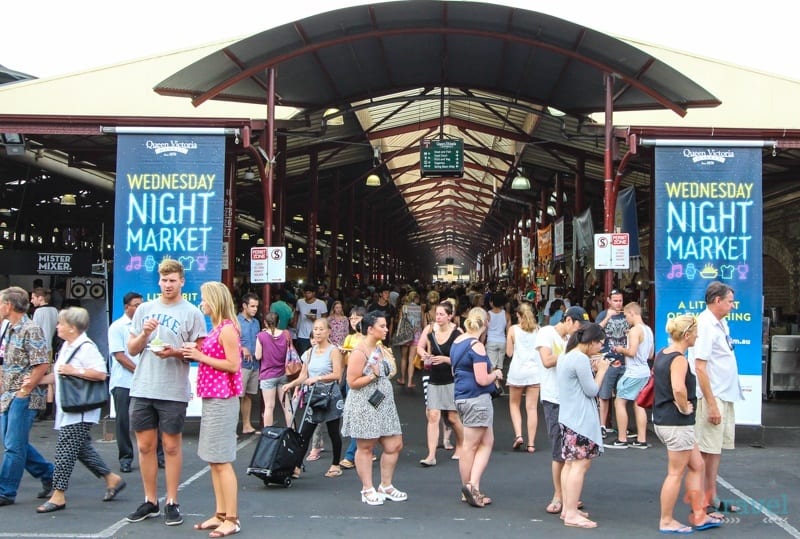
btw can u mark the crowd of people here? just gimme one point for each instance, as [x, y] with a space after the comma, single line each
[465, 346]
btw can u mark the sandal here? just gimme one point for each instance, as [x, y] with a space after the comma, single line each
[472, 496]
[314, 455]
[583, 523]
[554, 507]
[371, 497]
[391, 493]
[333, 471]
[237, 527]
[518, 441]
[531, 449]
[212, 523]
[486, 499]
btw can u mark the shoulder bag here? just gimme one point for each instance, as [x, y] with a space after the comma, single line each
[647, 396]
[293, 364]
[405, 331]
[78, 394]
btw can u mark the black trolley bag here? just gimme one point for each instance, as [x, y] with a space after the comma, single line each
[278, 452]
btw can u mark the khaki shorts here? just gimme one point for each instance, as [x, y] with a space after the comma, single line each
[676, 437]
[713, 439]
[476, 412]
[250, 382]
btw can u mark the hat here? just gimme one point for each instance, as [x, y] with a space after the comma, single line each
[576, 313]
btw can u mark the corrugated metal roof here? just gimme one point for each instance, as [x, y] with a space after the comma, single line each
[406, 71]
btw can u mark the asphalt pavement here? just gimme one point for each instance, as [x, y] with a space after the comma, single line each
[621, 492]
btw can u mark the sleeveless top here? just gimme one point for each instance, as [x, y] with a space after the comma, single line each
[636, 366]
[273, 354]
[665, 413]
[213, 383]
[496, 332]
[441, 374]
[319, 364]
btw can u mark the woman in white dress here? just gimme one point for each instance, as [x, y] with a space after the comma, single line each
[524, 376]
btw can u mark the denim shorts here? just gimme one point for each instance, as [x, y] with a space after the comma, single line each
[273, 383]
[609, 383]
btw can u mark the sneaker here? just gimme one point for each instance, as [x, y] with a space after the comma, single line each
[617, 444]
[638, 445]
[172, 514]
[146, 510]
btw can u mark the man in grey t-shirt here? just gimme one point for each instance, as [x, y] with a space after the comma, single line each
[160, 388]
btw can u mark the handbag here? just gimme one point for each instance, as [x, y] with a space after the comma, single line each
[404, 333]
[376, 398]
[322, 394]
[293, 364]
[647, 396]
[498, 390]
[77, 395]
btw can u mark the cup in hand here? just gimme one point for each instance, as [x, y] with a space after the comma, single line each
[427, 361]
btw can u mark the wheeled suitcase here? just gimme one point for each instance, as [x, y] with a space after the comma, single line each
[278, 452]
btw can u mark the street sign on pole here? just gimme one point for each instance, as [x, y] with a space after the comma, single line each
[267, 265]
[612, 251]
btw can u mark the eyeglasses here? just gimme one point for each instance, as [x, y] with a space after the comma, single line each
[730, 342]
[614, 292]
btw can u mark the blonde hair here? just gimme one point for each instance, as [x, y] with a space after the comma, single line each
[411, 296]
[219, 301]
[680, 326]
[433, 297]
[170, 265]
[527, 321]
[633, 308]
[476, 319]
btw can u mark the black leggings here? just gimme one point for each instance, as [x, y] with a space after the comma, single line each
[334, 431]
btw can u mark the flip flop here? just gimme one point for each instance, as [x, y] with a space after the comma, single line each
[518, 441]
[683, 530]
[554, 507]
[112, 492]
[333, 472]
[49, 507]
[312, 456]
[585, 524]
[708, 524]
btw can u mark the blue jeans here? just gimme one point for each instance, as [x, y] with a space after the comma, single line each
[350, 454]
[20, 455]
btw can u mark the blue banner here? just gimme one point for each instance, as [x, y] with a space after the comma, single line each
[169, 204]
[708, 226]
[626, 219]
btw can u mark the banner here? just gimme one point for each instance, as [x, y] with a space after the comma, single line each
[544, 251]
[626, 220]
[169, 204]
[558, 239]
[708, 220]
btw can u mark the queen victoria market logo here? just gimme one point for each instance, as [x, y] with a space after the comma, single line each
[171, 148]
[709, 156]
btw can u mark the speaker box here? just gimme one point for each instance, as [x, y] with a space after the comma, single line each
[86, 288]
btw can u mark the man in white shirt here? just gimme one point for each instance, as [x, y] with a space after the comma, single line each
[718, 380]
[123, 363]
[308, 309]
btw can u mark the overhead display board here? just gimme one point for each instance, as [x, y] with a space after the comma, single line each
[441, 157]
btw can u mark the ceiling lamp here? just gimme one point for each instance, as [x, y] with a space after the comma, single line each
[249, 175]
[556, 112]
[68, 200]
[245, 236]
[333, 116]
[298, 218]
[260, 241]
[520, 182]
[300, 250]
[373, 180]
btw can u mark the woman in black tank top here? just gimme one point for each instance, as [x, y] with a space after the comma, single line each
[434, 347]
[674, 418]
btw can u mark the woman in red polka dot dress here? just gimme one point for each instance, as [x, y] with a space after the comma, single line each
[219, 384]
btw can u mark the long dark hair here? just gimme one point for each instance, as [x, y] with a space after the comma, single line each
[589, 332]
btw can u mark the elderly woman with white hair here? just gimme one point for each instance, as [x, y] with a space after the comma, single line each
[79, 357]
